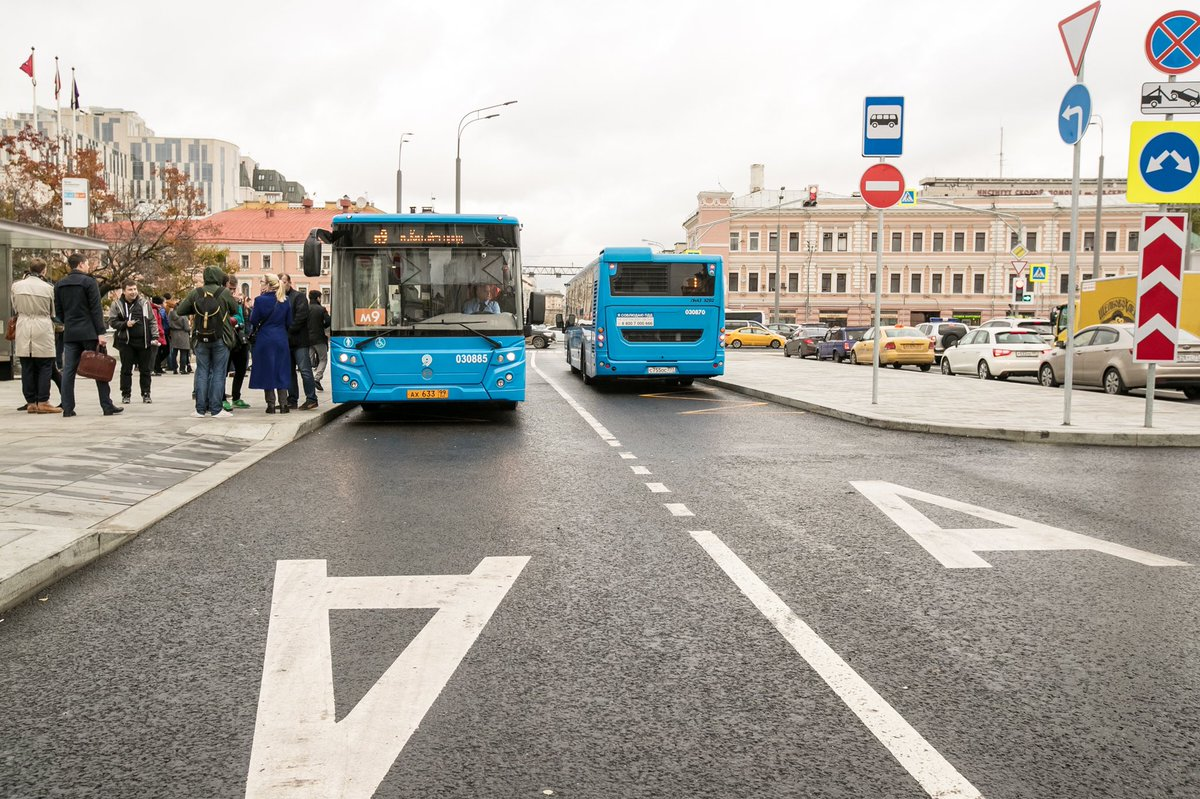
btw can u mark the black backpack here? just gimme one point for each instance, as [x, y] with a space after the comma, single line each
[210, 316]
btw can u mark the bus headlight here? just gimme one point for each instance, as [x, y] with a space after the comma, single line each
[500, 383]
[345, 378]
[353, 384]
[343, 358]
[508, 377]
[512, 356]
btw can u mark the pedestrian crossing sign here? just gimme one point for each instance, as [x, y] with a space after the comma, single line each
[1039, 273]
[909, 198]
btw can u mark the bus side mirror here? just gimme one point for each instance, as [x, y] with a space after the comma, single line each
[558, 322]
[537, 308]
[310, 259]
[571, 320]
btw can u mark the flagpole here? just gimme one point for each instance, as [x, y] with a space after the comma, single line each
[74, 117]
[32, 72]
[58, 128]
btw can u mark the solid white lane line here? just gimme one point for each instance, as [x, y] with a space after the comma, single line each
[594, 423]
[658, 488]
[640, 470]
[629, 456]
[678, 509]
[927, 766]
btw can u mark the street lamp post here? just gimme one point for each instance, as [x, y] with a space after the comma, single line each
[462, 124]
[400, 152]
[778, 248]
[811, 247]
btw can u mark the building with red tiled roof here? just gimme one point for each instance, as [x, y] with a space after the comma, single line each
[269, 238]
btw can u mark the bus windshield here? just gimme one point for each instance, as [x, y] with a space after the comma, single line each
[661, 280]
[427, 290]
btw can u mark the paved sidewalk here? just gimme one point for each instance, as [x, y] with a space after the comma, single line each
[74, 489]
[960, 406]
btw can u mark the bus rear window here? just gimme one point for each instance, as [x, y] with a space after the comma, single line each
[662, 280]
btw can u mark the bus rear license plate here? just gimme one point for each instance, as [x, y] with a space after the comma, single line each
[428, 393]
[660, 370]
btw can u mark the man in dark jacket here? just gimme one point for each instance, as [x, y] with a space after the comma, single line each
[77, 300]
[318, 337]
[298, 342]
[212, 308]
[135, 334]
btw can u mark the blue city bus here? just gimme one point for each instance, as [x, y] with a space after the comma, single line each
[634, 313]
[425, 308]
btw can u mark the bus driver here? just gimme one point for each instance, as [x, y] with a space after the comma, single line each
[482, 302]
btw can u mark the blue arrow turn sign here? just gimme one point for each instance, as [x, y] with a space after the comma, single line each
[1074, 112]
[1168, 162]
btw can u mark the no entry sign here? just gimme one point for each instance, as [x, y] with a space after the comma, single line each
[881, 186]
[1159, 288]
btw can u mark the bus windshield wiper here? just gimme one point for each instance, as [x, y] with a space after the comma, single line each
[495, 344]
[391, 331]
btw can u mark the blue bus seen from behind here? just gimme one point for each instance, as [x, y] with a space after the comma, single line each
[425, 308]
[633, 313]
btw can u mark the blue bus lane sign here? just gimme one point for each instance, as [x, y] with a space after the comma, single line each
[1073, 113]
[1163, 159]
[883, 127]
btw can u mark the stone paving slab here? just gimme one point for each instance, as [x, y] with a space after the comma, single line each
[73, 489]
[960, 406]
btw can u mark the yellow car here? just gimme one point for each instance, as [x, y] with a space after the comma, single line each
[901, 346]
[754, 337]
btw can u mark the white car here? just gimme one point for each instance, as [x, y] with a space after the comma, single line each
[542, 337]
[1043, 327]
[995, 352]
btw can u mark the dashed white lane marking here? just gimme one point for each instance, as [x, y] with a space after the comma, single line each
[927, 766]
[592, 421]
[678, 509]
[658, 488]
[629, 456]
[640, 470]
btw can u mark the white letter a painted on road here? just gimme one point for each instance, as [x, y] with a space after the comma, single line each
[300, 751]
[955, 549]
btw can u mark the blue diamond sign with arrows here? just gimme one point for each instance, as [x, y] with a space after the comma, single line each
[1163, 160]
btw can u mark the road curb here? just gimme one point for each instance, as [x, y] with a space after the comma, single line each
[65, 553]
[1025, 435]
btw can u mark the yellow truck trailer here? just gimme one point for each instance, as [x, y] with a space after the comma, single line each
[1111, 300]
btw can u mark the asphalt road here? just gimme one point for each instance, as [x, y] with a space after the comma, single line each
[633, 654]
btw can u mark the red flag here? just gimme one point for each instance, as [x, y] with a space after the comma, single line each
[27, 67]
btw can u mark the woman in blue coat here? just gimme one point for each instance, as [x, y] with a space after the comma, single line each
[271, 318]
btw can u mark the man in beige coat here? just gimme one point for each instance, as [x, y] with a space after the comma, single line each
[33, 300]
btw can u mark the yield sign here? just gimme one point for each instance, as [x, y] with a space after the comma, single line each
[1173, 43]
[1076, 32]
[881, 186]
[1018, 267]
[1159, 288]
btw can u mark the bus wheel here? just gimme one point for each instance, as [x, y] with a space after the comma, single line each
[508, 405]
[574, 368]
[687, 381]
[587, 379]
[370, 407]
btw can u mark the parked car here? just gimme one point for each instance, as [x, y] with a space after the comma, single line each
[902, 345]
[783, 328]
[804, 341]
[754, 336]
[994, 352]
[542, 337]
[1043, 327]
[838, 342]
[1104, 357]
[944, 334]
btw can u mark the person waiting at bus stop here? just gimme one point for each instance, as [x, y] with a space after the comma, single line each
[482, 302]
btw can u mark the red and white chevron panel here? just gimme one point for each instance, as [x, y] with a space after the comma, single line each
[1160, 287]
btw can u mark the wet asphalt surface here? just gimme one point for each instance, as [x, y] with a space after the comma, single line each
[623, 662]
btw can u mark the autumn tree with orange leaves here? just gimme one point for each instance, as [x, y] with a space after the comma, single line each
[154, 242]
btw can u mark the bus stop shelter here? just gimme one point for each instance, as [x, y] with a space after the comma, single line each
[18, 236]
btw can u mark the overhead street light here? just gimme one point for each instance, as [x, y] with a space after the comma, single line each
[462, 124]
[400, 152]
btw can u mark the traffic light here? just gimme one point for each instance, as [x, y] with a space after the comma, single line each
[1022, 293]
[812, 197]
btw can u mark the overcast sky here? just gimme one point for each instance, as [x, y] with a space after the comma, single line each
[626, 109]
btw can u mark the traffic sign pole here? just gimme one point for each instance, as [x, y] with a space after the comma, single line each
[876, 343]
[1068, 378]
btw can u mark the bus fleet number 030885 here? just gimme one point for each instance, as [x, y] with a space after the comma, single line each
[473, 357]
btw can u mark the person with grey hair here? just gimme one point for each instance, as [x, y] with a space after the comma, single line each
[33, 302]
